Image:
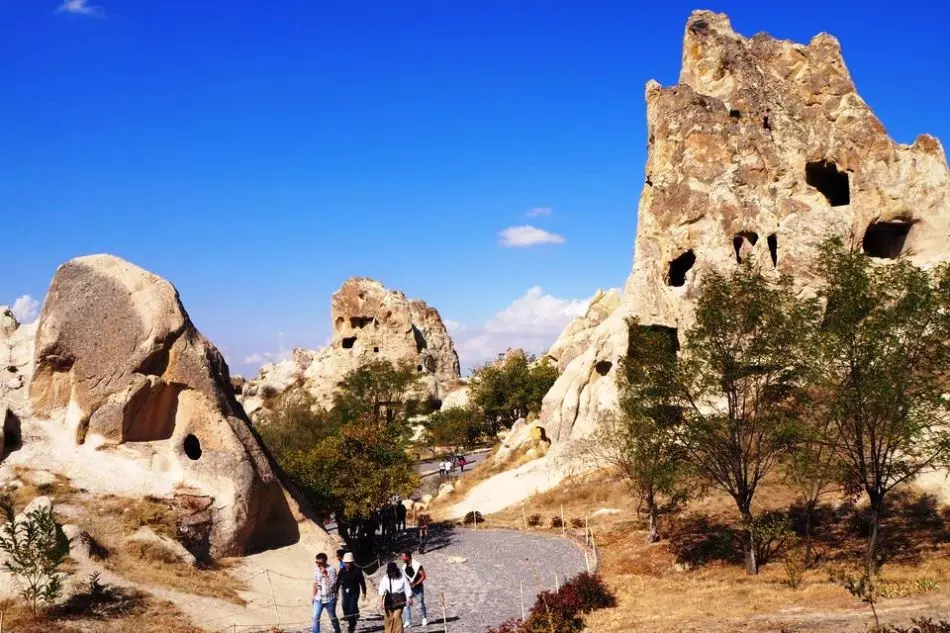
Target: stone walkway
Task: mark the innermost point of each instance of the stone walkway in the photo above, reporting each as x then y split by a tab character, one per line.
486	589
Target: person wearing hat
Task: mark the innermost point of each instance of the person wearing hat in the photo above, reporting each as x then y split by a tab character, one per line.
352	583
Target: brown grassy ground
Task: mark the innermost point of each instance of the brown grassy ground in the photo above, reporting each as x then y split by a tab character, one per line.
112	611
693	579
110	519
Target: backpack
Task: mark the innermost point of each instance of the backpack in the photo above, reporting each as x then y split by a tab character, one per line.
394	601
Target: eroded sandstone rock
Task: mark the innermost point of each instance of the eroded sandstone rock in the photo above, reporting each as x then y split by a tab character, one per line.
762	150
118	362
369	323
576	336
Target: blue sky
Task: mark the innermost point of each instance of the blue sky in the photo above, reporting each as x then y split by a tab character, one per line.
259	153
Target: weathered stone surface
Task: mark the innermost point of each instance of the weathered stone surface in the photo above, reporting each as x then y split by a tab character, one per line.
762	150
16	364
576	336
118	362
369	323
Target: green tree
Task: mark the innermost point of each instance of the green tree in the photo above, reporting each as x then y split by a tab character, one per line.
352	458
457	429
508	390
736	384
814	463
885	358
641	440
35	548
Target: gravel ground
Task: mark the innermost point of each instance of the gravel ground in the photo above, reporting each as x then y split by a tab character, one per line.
486	589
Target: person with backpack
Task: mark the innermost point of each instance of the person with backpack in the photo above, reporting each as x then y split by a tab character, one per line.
415	573
352	583
394	595
323	593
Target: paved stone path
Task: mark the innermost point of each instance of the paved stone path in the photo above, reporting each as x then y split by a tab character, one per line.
486	589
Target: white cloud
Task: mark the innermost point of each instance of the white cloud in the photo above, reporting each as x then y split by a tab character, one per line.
79	7
532	322
259	358
527	235
538	211
25	309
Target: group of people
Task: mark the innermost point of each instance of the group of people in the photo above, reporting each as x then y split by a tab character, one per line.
448	465
400	589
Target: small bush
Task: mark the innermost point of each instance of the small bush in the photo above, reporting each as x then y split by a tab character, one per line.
557	522
793	560
534	520
508	626
35	548
560	611
577	523
472	517
593	593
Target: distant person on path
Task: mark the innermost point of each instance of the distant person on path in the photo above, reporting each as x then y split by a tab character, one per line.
401	517
415	573
423	532
323	594
352	583
394	595
340	553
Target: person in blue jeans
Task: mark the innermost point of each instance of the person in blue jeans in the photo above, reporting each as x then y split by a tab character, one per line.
323	593
415	573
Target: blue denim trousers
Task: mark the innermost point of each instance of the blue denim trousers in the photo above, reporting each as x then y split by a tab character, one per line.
419	598
330	607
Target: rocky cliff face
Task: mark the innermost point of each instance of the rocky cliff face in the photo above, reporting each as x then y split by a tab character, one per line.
762	150
369	323
125	396
576	336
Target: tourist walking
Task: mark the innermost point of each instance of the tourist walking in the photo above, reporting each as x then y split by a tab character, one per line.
340	553
323	593
394	595
401	517
415	573
352	584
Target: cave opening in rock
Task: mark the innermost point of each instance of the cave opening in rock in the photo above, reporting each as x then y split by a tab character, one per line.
833	184
12	433
348	342
359	322
13	369
743	236
735	114
603	367
773	248
376	350
192	446
885	240
418	367
765	124
679	267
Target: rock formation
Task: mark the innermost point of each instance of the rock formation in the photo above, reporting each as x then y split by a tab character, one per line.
762	150
369	323
576	336
123	382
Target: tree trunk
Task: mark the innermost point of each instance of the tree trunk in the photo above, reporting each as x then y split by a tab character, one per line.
653	535
748	547
809	512
870	564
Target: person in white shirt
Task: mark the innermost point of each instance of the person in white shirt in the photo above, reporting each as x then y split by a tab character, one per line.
395	593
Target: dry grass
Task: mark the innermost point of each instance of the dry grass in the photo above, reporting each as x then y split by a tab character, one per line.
144	562
110	519
121	613
657	593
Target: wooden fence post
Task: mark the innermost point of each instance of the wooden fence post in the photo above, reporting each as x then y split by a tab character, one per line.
445	620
